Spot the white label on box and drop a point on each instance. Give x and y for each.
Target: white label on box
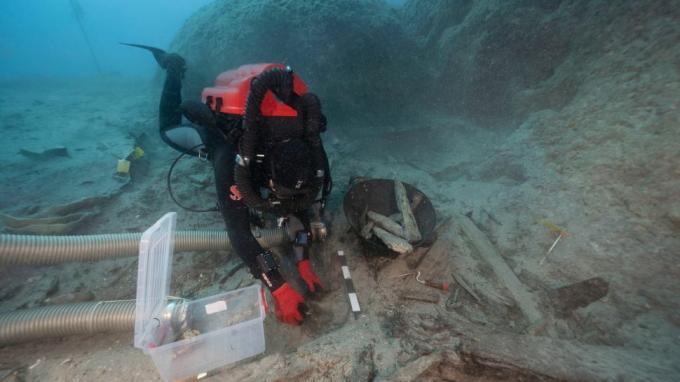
(216, 307)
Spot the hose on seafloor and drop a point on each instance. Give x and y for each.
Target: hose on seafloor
(92, 317)
(48, 250)
(64, 320)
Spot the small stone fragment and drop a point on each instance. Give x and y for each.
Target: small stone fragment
(568, 298)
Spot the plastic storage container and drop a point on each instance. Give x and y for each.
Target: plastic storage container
(186, 338)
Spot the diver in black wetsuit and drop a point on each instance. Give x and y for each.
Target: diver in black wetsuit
(296, 174)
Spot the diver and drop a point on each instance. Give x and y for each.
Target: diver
(261, 131)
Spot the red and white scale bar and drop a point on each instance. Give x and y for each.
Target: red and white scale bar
(349, 284)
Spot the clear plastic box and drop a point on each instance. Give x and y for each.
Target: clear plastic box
(186, 338)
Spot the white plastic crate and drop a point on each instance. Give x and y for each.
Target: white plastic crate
(186, 338)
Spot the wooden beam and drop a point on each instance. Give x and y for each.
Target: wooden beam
(527, 302)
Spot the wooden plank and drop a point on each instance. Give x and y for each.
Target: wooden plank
(393, 242)
(386, 223)
(526, 301)
(540, 357)
(411, 230)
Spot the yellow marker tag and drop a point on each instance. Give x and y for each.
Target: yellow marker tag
(137, 152)
(554, 228)
(123, 166)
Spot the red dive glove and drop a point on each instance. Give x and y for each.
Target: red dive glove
(287, 302)
(311, 279)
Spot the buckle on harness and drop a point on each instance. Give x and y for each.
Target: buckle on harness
(202, 154)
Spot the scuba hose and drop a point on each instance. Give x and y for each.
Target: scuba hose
(201, 115)
(279, 81)
(249, 140)
(169, 183)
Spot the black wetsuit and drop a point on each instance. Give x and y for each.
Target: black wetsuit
(199, 140)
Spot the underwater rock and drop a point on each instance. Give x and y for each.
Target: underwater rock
(354, 54)
(500, 59)
(483, 53)
(482, 59)
(46, 154)
(578, 295)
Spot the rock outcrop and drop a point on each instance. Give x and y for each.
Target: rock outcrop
(487, 59)
(594, 81)
(354, 54)
(506, 59)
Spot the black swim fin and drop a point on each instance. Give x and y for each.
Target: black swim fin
(158, 54)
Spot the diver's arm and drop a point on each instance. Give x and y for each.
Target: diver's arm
(327, 180)
(318, 227)
(237, 220)
(260, 262)
(289, 305)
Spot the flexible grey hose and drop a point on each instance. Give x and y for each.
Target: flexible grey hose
(64, 320)
(45, 250)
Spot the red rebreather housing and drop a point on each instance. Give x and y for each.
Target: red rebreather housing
(231, 92)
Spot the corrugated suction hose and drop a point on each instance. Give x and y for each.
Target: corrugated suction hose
(64, 320)
(92, 317)
(46, 250)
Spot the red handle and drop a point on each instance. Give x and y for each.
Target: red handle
(442, 286)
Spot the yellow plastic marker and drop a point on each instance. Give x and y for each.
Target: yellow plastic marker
(138, 152)
(554, 228)
(123, 166)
